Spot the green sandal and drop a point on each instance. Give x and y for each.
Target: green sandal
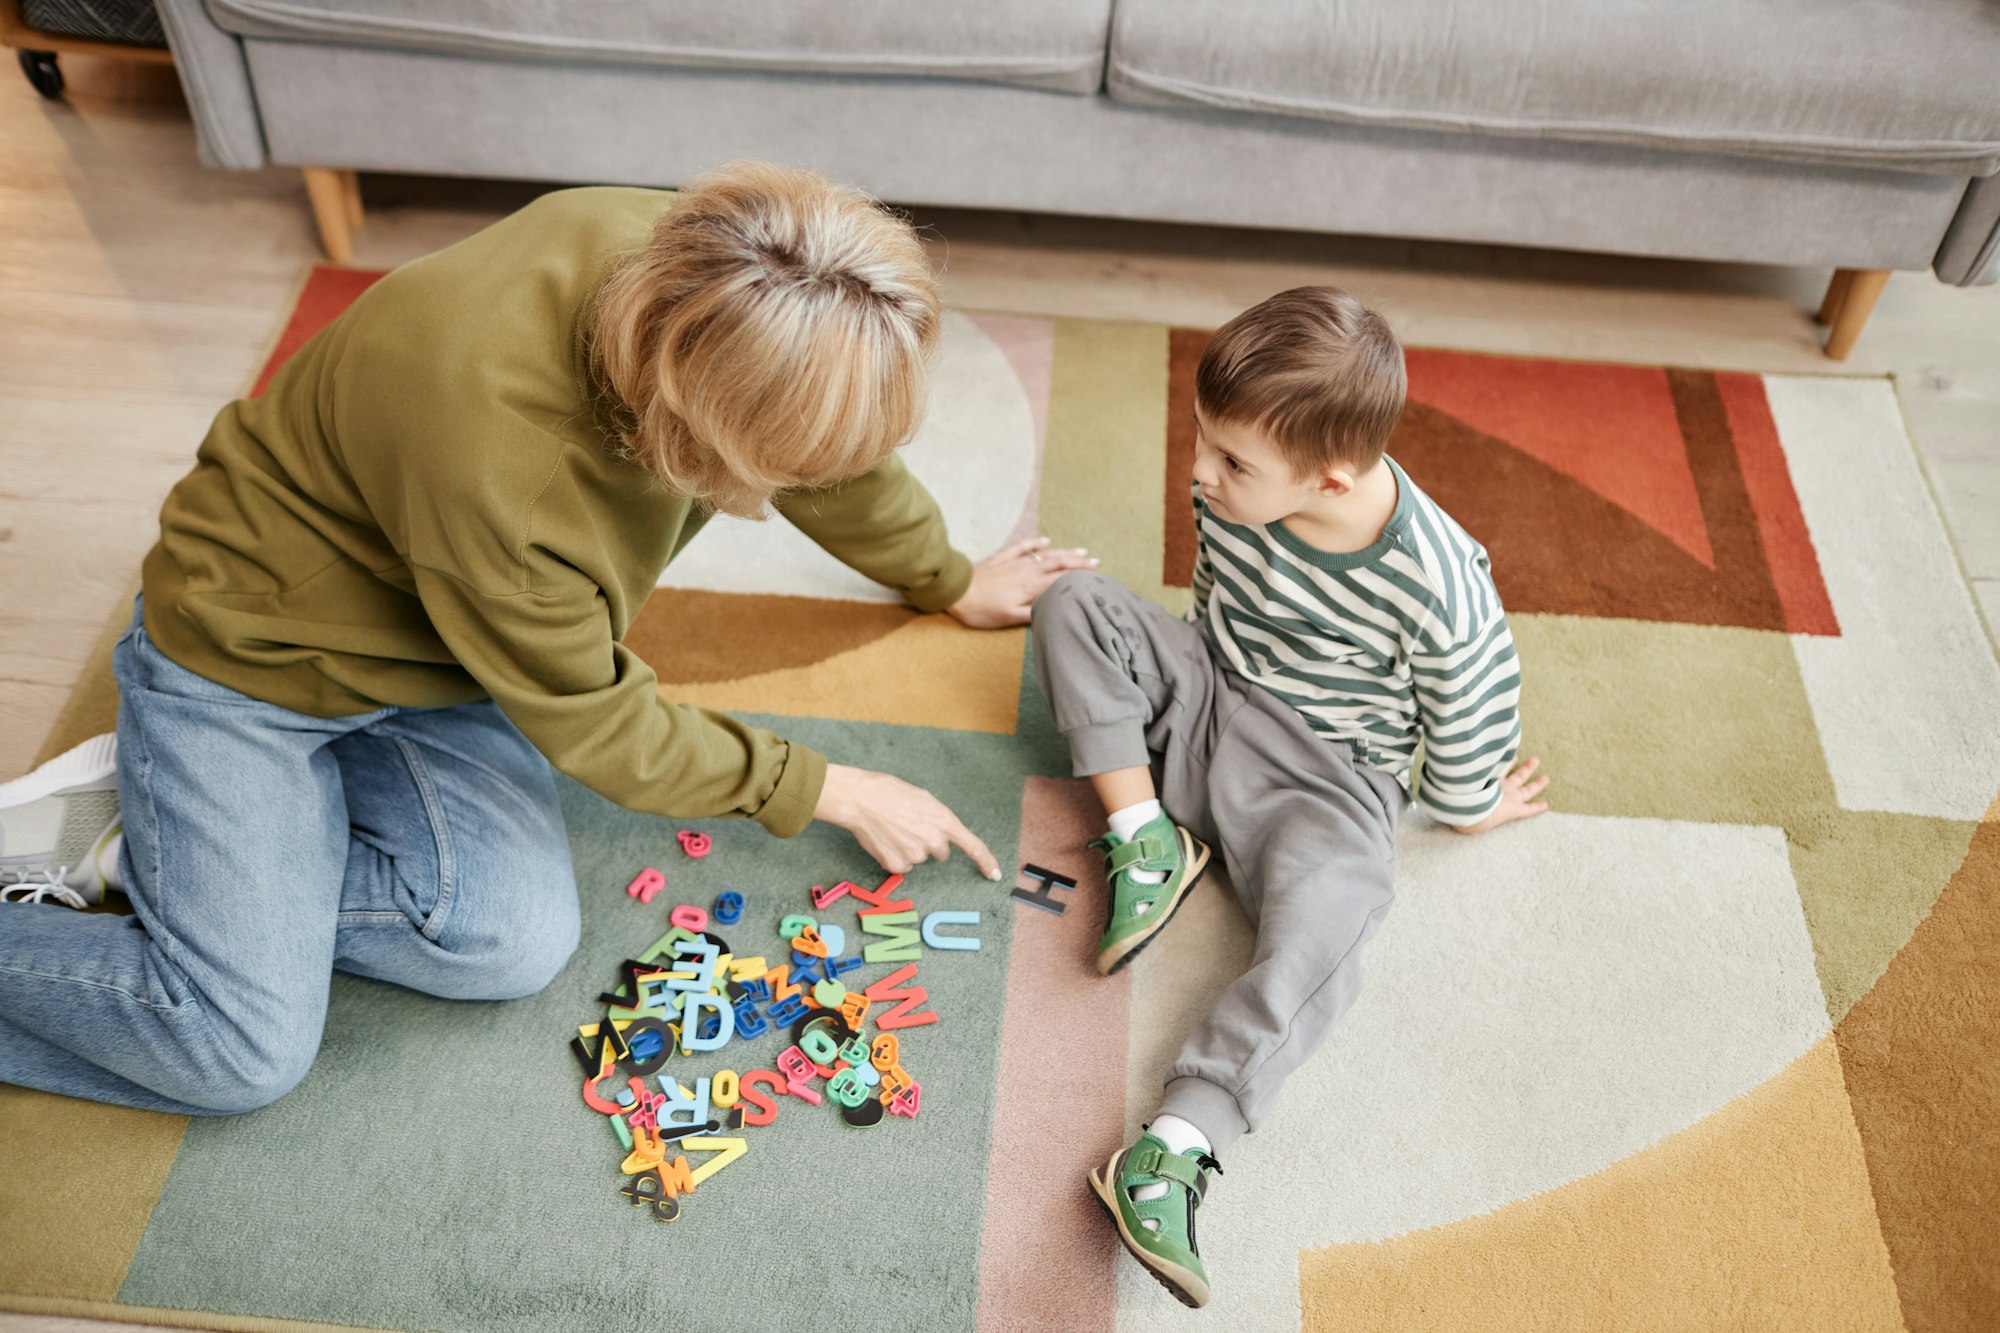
(1138, 911)
(1160, 1232)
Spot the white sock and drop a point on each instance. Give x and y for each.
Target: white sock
(1127, 822)
(1132, 818)
(1179, 1136)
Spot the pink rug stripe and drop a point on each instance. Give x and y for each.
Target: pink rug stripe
(1030, 348)
(1048, 1256)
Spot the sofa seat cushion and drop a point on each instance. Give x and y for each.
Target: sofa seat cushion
(1908, 85)
(1056, 44)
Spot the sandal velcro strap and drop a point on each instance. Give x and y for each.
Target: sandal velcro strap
(1167, 1166)
(1144, 853)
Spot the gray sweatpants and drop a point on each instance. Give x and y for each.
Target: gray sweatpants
(1308, 834)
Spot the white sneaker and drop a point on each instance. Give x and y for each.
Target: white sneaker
(60, 830)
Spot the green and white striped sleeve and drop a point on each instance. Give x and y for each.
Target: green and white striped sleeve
(1468, 691)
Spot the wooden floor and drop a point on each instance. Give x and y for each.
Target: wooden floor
(138, 291)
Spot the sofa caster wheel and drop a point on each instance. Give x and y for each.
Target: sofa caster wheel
(43, 72)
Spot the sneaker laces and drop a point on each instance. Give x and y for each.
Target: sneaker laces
(51, 889)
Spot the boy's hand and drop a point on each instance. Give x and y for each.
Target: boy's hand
(897, 823)
(1006, 583)
(1518, 791)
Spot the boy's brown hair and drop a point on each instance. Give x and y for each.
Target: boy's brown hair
(1315, 371)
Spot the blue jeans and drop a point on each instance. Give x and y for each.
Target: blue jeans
(264, 850)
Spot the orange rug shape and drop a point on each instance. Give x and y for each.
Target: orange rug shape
(1758, 1217)
(689, 636)
(931, 672)
(1922, 1055)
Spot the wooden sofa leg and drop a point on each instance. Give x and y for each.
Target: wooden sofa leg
(351, 187)
(1836, 293)
(1857, 295)
(330, 210)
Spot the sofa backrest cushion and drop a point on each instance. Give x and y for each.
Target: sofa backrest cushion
(1054, 44)
(1903, 84)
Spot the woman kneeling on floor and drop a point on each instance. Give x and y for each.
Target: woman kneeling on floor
(392, 594)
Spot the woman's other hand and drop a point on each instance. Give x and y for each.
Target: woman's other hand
(1006, 583)
(896, 822)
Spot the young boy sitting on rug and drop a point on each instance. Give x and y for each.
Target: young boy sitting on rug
(1339, 616)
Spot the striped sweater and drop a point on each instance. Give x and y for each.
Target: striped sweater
(1376, 647)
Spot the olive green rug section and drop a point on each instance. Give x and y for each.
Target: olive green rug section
(1102, 482)
(438, 1169)
(1655, 720)
(1866, 879)
(76, 1182)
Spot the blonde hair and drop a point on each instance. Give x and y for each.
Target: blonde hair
(774, 333)
(1315, 371)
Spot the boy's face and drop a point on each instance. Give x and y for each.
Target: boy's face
(1245, 480)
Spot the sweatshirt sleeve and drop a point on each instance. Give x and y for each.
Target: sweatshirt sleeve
(1469, 706)
(593, 708)
(885, 525)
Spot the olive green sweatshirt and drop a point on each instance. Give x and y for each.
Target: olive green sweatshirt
(424, 509)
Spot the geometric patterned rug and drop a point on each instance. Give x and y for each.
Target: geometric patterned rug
(1710, 1045)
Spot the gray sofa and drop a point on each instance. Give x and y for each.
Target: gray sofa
(1862, 136)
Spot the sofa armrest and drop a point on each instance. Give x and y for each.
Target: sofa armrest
(1969, 256)
(217, 83)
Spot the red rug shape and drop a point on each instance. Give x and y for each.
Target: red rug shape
(327, 292)
(1633, 492)
(1610, 428)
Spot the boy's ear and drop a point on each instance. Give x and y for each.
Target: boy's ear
(1335, 482)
